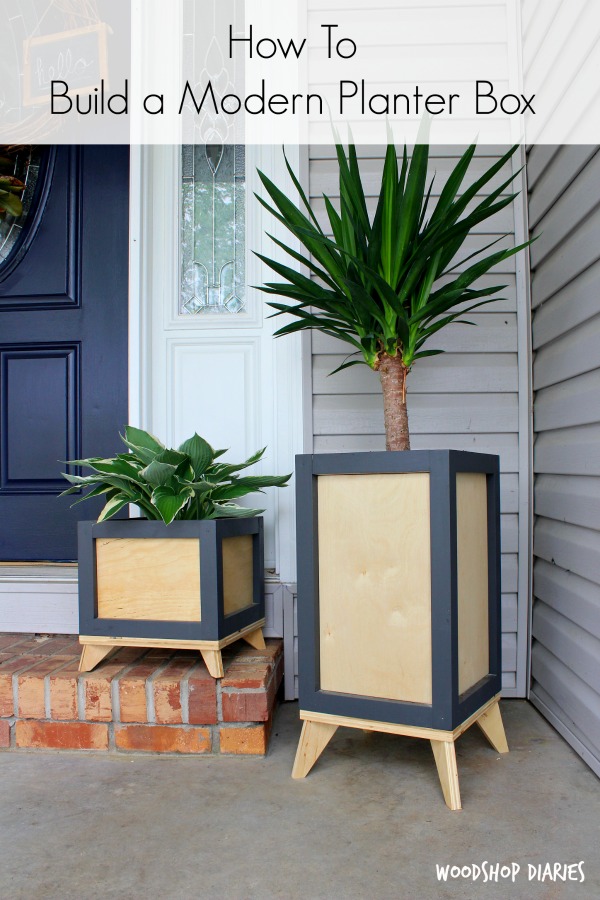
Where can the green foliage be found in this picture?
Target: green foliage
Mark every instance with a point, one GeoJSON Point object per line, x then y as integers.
{"type": "Point", "coordinates": [387, 285]}
{"type": "Point", "coordinates": [186, 483]}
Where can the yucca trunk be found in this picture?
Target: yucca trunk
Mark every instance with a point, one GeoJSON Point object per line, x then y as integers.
{"type": "Point", "coordinates": [393, 372]}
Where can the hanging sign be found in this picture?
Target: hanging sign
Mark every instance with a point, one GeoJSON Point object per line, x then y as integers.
{"type": "Point", "coordinates": [77, 57]}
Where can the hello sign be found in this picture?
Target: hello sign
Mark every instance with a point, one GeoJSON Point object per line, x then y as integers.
{"type": "Point", "coordinates": [78, 56]}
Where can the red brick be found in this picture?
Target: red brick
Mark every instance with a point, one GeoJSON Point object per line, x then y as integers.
{"type": "Point", "coordinates": [202, 698]}
{"type": "Point", "coordinates": [273, 649]}
{"type": "Point", "coordinates": [125, 655]}
{"type": "Point", "coordinates": [31, 698]}
{"type": "Point", "coordinates": [162, 739]}
{"type": "Point", "coordinates": [63, 692]}
{"type": "Point", "coordinates": [33, 646]}
{"type": "Point", "coordinates": [7, 670]}
{"type": "Point", "coordinates": [61, 735]}
{"type": "Point", "coordinates": [167, 691]}
{"type": "Point", "coordinates": [159, 653]}
{"type": "Point", "coordinates": [252, 706]}
{"type": "Point", "coordinates": [132, 692]}
{"type": "Point", "coordinates": [97, 691]}
{"type": "Point", "coordinates": [247, 675]}
{"type": "Point", "coordinates": [62, 646]}
{"type": "Point", "coordinates": [252, 740]}
{"type": "Point", "coordinates": [11, 640]}
{"type": "Point", "coordinates": [4, 734]}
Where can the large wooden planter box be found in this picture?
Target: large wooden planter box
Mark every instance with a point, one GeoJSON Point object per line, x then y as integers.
{"type": "Point", "coordinates": [196, 584]}
{"type": "Point", "coordinates": [398, 592]}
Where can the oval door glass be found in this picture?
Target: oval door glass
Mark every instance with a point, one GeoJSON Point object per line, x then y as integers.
{"type": "Point", "coordinates": [19, 174]}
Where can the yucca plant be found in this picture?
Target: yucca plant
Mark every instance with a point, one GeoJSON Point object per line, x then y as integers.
{"type": "Point", "coordinates": [387, 285]}
{"type": "Point", "coordinates": [168, 484]}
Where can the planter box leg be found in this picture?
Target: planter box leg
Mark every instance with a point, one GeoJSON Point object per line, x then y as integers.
{"type": "Point", "coordinates": [445, 760]}
{"type": "Point", "coordinates": [92, 654]}
{"type": "Point", "coordinates": [491, 725]}
{"type": "Point", "coordinates": [313, 740]}
{"type": "Point", "coordinates": [214, 662]}
{"type": "Point", "coordinates": [256, 639]}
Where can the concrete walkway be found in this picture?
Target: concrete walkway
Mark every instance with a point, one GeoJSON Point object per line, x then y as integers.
{"type": "Point", "coordinates": [368, 822]}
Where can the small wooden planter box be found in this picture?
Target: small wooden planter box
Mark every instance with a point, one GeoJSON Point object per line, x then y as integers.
{"type": "Point", "coordinates": [399, 599]}
{"type": "Point", "coordinates": [188, 585]}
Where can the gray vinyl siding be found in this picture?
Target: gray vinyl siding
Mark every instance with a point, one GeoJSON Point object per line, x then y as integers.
{"type": "Point", "coordinates": [564, 209]}
{"type": "Point", "coordinates": [467, 399]}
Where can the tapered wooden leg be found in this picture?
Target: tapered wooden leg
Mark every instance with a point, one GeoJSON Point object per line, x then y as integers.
{"type": "Point", "coordinates": [491, 725]}
{"type": "Point", "coordinates": [445, 760]}
{"type": "Point", "coordinates": [313, 740]}
{"type": "Point", "coordinates": [256, 639]}
{"type": "Point", "coordinates": [214, 662]}
{"type": "Point", "coordinates": [92, 654]}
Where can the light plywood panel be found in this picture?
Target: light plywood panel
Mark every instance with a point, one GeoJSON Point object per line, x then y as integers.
{"type": "Point", "coordinates": [472, 565]}
{"type": "Point", "coordinates": [148, 578]}
{"type": "Point", "coordinates": [237, 573]}
{"type": "Point", "coordinates": [375, 585]}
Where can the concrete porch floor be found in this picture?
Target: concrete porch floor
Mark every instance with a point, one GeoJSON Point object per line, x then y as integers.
{"type": "Point", "coordinates": [368, 822]}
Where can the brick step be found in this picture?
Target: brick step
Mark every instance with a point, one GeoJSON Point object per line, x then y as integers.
{"type": "Point", "coordinates": [149, 701]}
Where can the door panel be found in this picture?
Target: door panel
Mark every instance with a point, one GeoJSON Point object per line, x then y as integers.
{"type": "Point", "coordinates": [63, 348]}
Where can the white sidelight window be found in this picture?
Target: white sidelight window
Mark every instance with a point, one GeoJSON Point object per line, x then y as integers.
{"type": "Point", "coordinates": [213, 230]}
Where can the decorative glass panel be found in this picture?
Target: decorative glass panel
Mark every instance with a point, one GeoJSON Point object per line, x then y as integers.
{"type": "Point", "coordinates": [213, 229]}
{"type": "Point", "coordinates": [21, 166]}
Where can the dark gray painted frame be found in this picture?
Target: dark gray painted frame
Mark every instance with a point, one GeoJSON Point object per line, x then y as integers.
{"type": "Point", "coordinates": [215, 625]}
{"type": "Point", "coordinates": [448, 709]}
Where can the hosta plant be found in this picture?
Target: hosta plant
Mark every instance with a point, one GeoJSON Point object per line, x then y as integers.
{"type": "Point", "coordinates": [386, 284]}
{"type": "Point", "coordinates": [167, 484]}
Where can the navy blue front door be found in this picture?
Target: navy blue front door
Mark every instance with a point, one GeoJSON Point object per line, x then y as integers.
{"type": "Point", "coordinates": [63, 346]}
